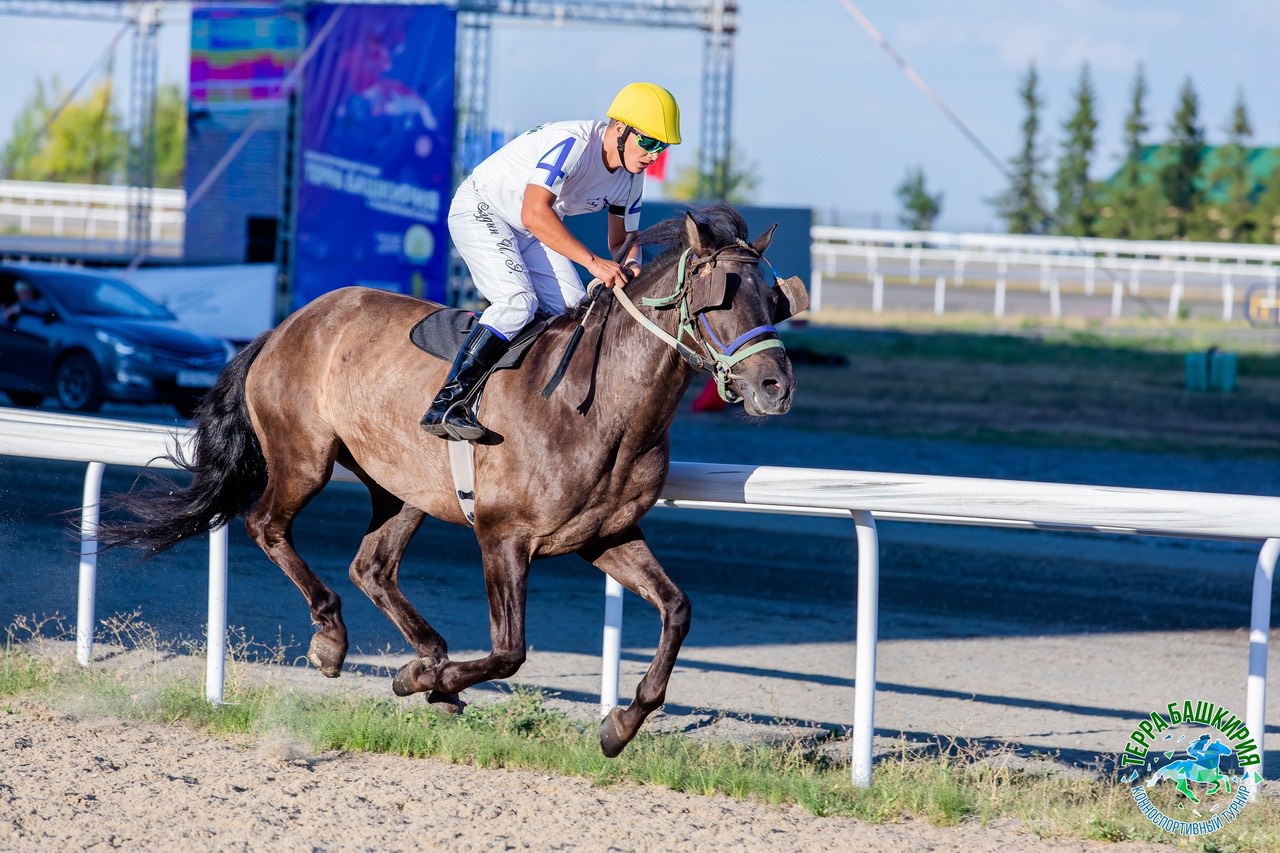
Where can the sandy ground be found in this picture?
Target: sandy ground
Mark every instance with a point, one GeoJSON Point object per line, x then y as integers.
{"type": "Point", "coordinates": [88, 784]}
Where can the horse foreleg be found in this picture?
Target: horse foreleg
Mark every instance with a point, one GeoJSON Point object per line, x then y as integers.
{"type": "Point", "coordinates": [627, 559]}
{"type": "Point", "coordinates": [376, 571]}
{"type": "Point", "coordinates": [506, 579]}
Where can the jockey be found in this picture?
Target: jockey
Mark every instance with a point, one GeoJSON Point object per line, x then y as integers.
{"type": "Point", "coordinates": [505, 221]}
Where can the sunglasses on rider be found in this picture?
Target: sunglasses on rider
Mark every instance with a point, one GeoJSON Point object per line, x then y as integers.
{"type": "Point", "coordinates": [649, 144]}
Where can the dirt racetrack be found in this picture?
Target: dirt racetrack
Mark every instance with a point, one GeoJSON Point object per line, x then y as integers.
{"type": "Point", "coordinates": [101, 784]}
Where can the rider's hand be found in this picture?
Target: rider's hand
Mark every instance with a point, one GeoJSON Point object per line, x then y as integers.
{"type": "Point", "coordinates": [607, 271]}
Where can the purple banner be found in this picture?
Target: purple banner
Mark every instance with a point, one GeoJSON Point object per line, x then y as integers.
{"type": "Point", "coordinates": [375, 167]}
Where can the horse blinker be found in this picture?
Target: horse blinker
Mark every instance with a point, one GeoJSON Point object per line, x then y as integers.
{"type": "Point", "coordinates": [792, 298]}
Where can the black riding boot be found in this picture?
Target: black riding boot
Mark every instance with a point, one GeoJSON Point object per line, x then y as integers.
{"type": "Point", "coordinates": [450, 414]}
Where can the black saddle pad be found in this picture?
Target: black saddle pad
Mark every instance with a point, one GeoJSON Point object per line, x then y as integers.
{"type": "Point", "coordinates": [441, 334]}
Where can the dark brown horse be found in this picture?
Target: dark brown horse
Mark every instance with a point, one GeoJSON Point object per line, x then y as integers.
{"type": "Point", "coordinates": [339, 381]}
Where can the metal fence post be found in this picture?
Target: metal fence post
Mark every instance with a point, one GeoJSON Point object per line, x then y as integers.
{"type": "Point", "coordinates": [85, 617]}
{"type": "Point", "coordinates": [1255, 703]}
{"type": "Point", "coordinates": [864, 698]}
{"type": "Point", "coordinates": [215, 661]}
{"type": "Point", "coordinates": [611, 651]}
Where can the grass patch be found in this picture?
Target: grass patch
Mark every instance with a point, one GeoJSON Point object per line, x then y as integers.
{"type": "Point", "coordinates": [1080, 388]}
{"type": "Point", "coordinates": [947, 785]}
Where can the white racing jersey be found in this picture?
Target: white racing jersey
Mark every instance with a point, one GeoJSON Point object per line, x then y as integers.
{"type": "Point", "coordinates": [565, 157]}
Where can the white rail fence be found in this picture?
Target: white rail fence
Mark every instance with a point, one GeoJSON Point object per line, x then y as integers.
{"type": "Point", "coordinates": [87, 212]}
{"type": "Point", "coordinates": [1174, 272]}
{"type": "Point", "coordinates": [864, 497]}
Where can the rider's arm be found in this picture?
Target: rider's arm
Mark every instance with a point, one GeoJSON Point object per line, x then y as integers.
{"type": "Point", "coordinates": [617, 236]}
{"type": "Point", "coordinates": [537, 215]}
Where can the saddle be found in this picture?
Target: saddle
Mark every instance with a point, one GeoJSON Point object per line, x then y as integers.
{"type": "Point", "coordinates": [441, 334]}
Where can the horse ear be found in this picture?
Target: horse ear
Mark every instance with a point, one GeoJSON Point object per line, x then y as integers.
{"type": "Point", "coordinates": [762, 242]}
{"type": "Point", "coordinates": [792, 298]}
{"type": "Point", "coordinates": [691, 229]}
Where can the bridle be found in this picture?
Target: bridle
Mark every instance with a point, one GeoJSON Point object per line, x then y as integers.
{"type": "Point", "coordinates": [709, 272]}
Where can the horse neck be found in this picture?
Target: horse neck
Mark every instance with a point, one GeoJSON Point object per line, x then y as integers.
{"type": "Point", "coordinates": [632, 358]}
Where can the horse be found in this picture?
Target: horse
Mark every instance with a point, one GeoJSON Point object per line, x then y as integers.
{"type": "Point", "coordinates": [338, 381]}
{"type": "Point", "coordinates": [1201, 768]}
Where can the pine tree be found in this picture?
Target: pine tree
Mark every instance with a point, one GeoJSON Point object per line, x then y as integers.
{"type": "Point", "coordinates": [1180, 178]}
{"type": "Point", "coordinates": [1020, 205]}
{"type": "Point", "coordinates": [1265, 214]}
{"type": "Point", "coordinates": [919, 207]}
{"type": "Point", "coordinates": [1077, 210]}
{"type": "Point", "coordinates": [1232, 220]}
{"type": "Point", "coordinates": [1131, 206]}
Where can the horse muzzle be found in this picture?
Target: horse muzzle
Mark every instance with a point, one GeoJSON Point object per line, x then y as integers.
{"type": "Point", "coordinates": [769, 394]}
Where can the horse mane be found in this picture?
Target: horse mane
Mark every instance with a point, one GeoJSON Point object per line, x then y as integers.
{"type": "Point", "coordinates": [719, 224]}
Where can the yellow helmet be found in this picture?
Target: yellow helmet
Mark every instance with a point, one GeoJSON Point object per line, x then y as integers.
{"type": "Point", "coordinates": [650, 109]}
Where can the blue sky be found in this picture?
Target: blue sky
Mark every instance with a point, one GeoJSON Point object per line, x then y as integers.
{"type": "Point", "coordinates": [821, 112]}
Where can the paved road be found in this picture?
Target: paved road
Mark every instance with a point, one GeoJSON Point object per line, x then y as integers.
{"type": "Point", "coordinates": [1054, 642]}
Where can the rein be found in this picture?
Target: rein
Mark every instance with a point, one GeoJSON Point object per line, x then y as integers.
{"type": "Point", "coordinates": [719, 362]}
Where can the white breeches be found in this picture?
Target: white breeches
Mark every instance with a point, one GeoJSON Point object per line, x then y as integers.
{"type": "Point", "coordinates": [510, 268]}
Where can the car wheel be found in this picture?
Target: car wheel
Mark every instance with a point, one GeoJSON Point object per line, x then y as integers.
{"type": "Point", "coordinates": [25, 399]}
{"type": "Point", "coordinates": [78, 383]}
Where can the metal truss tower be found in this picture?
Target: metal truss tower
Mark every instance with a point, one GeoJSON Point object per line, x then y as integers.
{"type": "Point", "coordinates": [717, 100]}
{"type": "Point", "coordinates": [141, 171]}
{"type": "Point", "coordinates": [717, 19]}
{"type": "Point", "coordinates": [472, 96]}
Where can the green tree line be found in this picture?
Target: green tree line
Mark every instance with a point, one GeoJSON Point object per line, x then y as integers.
{"type": "Point", "coordinates": [87, 141]}
{"type": "Point", "coordinates": [1180, 189]}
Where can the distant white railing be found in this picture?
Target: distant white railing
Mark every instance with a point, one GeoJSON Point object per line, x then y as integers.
{"type": "Point", "coordinates": [1119, 268]}
{"type": "Point", "coordinates": [861, 496]}
{"type": "Point", "coordinates": [86, 211]}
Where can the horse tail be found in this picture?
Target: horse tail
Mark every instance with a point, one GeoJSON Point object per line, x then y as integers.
{"type": "Point", "coordinates": [228, 472]}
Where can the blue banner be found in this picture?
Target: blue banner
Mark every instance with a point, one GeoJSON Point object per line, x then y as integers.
{"type": "Point", "coordinates": [375, 165]}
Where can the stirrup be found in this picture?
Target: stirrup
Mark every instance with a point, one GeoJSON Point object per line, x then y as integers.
{"type": "Point", "coordinates": [455, 432]}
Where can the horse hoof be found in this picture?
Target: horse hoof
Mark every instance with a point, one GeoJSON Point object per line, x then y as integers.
{"type": "Point", "coordinates": [326, 655]}
{"type": "Point", "coordinates": [446, 703]}
{"type": "Point", "coordinates": [411, 674]}
{"type": "Point", "coordinates": [612, 741]}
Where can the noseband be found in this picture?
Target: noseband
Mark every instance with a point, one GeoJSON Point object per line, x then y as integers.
{"type": "Point", "coordinates": [720, 359]}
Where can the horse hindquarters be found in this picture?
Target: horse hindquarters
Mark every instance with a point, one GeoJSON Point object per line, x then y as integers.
{"type": "Point", "coordinates": [286, 406]}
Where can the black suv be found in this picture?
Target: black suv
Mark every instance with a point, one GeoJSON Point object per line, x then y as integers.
{"type": "Point", "coordinates": [83, 337]}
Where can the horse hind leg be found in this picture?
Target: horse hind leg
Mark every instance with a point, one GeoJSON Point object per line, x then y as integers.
{"type": "Point", "coordinates": [291, 485]}
{"type": "Point", "coordinates": [376, 569]}
{"type": "Point", "coordinates": [627, 559]}
{"type": "Point", "coordinates": [506, 578]}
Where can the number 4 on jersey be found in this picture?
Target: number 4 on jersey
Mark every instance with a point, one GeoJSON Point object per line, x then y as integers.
{"type": "Point", "coordinates": [555, 170]}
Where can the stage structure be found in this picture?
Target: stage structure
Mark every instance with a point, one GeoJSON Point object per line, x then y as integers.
{"type": "Point", "coordinates": [716, 19]}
